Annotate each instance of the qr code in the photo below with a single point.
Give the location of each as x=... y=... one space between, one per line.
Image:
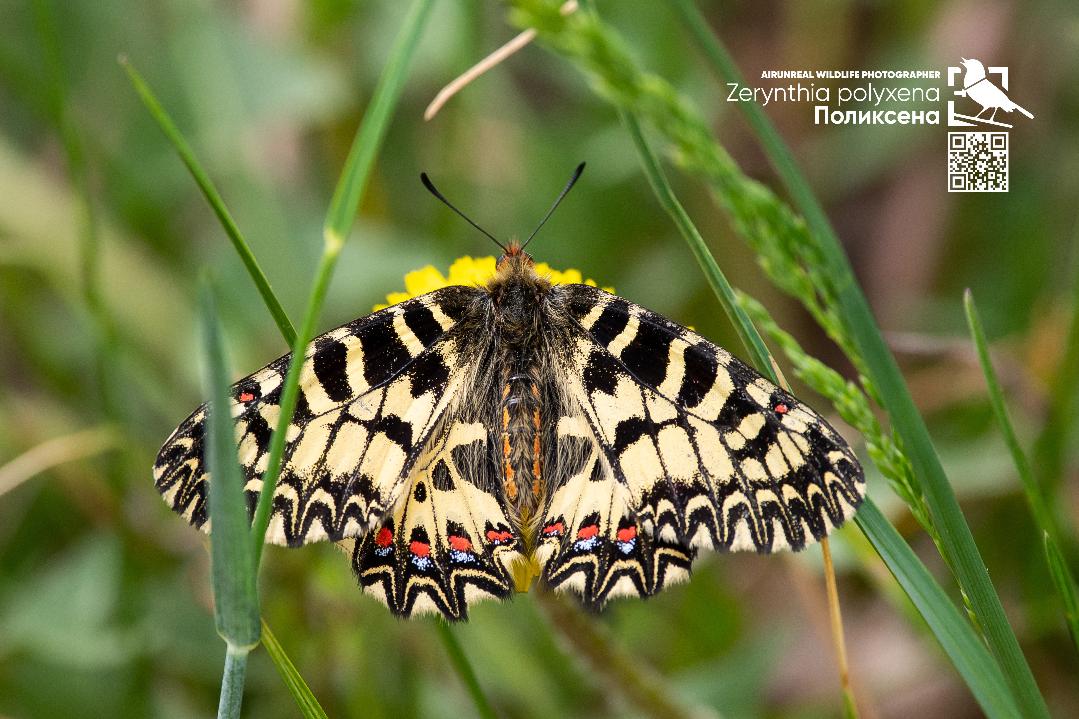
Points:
x=977 y=162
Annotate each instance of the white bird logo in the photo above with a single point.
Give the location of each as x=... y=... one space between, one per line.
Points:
x=977 y=87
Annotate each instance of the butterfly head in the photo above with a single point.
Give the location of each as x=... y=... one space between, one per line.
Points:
x=515 y=258
x=516 y=268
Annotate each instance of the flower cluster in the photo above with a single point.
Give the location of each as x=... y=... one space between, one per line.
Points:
x=473 y=272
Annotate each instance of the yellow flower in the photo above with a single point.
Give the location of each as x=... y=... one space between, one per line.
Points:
x=473 y=272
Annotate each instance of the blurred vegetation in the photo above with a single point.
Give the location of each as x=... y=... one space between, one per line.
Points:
x=105 y=593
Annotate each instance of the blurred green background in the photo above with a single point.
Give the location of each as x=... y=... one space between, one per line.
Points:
x=104 y=594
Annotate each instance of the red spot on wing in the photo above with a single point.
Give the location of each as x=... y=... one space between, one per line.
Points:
x=627 y=534
x=246 y=396
x=494 y=535
x=420 y=549
x=587 y=532
x=781 y=408
x=461 y=544
x=384 y=537
x=554 y=528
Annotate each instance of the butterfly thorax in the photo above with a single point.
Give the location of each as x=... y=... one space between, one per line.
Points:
x=518 y=295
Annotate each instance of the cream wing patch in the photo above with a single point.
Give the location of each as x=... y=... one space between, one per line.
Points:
x=711 y=454
x=370 y=394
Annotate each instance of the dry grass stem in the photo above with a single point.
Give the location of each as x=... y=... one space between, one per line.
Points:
x=519 y=41
x=58 y=450
x=835 y=616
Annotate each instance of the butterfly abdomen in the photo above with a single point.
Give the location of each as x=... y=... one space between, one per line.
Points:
x=518 y=296
x=521 y=417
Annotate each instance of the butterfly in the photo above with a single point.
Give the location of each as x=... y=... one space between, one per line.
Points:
x=474 y=440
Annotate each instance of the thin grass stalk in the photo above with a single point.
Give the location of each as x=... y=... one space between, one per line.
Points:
x=1043 y=517
x=1051 y=447
x=957 y=542
x=232 y=683
x=233 y=573
x=642 y=690
x=301 y=693
x=1063 y=579
x=105 y=356
x=56 y=451
x=756 y=213
x=968 y=655
x=213 y=197
x=459 y=661
x=338 y=223
x=835 y=618
x=753 y=342
x=361 y=157
x=1065 y=585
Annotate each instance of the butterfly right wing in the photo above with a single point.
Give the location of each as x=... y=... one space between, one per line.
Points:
x=371 y=393
x=684 y=448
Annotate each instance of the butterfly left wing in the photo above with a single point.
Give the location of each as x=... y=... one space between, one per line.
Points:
x=448 y=541
x=371 y=393
x=693 y=449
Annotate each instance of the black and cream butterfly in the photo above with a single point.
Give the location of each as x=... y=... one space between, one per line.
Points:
x=475 y=439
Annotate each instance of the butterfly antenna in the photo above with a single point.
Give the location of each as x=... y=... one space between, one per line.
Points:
x=565 y=190
x=434 y=191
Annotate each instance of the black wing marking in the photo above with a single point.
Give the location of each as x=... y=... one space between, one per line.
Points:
x=706 y=453
x=448 y=541
x=371 y=393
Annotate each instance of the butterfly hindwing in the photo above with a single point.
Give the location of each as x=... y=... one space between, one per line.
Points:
x=448 y=541
x=592 y=540
x=371 y=392
x=707 y=453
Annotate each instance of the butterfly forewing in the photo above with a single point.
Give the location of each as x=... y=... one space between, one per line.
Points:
x=371 y=393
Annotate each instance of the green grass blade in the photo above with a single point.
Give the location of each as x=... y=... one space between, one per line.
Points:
x=752 y=207
x=209 y=191
x=1063 y=579
x=338 y=223
x=233 y=571
x=232 y=683
x=1052 y=446
x=105 y=358
x=956 y=636
x=967 y=652
x=755 y=210
x=464 y=669
x=346 y=197
x=1042 y=516
x=1065 y=586
x=305 y=700
x=752 y=339
x=232 y=567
